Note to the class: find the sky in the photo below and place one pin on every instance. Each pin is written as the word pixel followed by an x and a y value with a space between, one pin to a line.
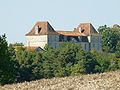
pixel 17 17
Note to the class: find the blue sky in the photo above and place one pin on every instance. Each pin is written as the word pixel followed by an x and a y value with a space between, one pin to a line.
pixel 17 17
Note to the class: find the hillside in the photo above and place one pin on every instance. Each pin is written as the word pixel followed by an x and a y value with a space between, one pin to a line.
pixel 104 81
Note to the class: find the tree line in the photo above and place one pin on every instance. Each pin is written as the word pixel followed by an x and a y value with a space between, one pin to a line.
pixel 18 64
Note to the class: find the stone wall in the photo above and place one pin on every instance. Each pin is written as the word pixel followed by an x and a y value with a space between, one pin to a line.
pixel 37 41
pixel 53 41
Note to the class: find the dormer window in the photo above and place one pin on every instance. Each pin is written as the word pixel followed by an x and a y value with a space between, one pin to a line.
pixel 37 29
pixel 81 30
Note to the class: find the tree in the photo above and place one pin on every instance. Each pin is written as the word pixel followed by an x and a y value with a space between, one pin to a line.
pixel 49 56
pixel 80 65
pixel 37 66
pixel 78 68
pixel 7 69
pixel 117 53
pixel 90 62
pixel 110 37
pixel 67 57
pixel 67 52
pixel 102 29
pixel 105 61
pixel 25 59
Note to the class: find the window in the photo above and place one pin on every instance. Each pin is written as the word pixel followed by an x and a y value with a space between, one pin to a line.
pixel 81 30
pixel 37 29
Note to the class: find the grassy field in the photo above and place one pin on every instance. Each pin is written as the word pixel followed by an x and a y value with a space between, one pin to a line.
pixel 104 81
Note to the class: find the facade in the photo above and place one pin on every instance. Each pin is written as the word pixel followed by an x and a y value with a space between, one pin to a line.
pixel 43 33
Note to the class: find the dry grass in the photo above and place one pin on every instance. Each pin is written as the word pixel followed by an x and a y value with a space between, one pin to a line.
pixel 104 81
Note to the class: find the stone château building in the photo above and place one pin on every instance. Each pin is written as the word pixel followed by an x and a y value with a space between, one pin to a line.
pixel 43 33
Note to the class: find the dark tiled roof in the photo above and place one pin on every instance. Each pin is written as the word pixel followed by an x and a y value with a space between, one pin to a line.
pixel 69 33
pixel 86 29
pixel 46 29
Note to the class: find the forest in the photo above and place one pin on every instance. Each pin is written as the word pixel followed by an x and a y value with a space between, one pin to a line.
pixel 18 64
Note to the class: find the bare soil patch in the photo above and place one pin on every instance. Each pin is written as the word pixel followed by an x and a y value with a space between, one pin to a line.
pixel 103 81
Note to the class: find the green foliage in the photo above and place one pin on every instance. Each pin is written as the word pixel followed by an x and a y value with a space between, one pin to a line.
pixel 78 69
pixel 90 63
pixel 102 29
pixel 117 53
pixel 37 66
pixel 20 64
pixel 30 65
pixel 7 70
pixel 48 57
pixel 67 53
pixel 110 37
pixel 17 44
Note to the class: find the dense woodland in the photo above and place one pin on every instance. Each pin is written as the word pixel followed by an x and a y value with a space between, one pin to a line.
pixel 18 64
